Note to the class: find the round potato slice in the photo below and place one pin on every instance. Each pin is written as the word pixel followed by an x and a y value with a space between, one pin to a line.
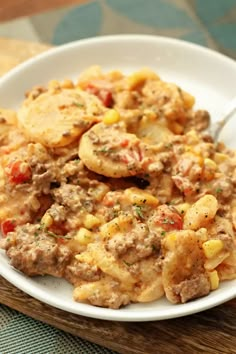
pixel 57 117
pixel 111 151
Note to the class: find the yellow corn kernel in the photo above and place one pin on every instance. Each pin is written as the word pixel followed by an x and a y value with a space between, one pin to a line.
pixel 120 224
pixel 212 247
pixel 111 117
pixel 170 241
pixel 84 257
pixel 210 168
pixel 176 128
pixel 47 220
pixel 214 279
pixel 140 77
pixel 138 196
pixel 192 137
pixel 90 221
pixel 67 84
pixel 195 156
pixel 53 84
pixel 210 164
pixel 182 208
pixel 84 236
pixel 220 158
pixel 188 99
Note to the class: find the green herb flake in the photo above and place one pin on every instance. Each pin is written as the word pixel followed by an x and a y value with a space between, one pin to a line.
pixel 127 263
pixel 77 104
pixel 167 221
pixel 219 190
pixel 154 248
pixel 163 233
pixel 139 211
pixel 105 150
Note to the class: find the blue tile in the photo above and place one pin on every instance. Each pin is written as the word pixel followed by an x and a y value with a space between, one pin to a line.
pixel 211 10
pixel 158 13
pixel 81 22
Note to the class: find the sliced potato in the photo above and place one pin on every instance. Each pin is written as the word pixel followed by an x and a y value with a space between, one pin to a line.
pixel 11 138
pixel 57 117
pixel 152 132
pixel 101 151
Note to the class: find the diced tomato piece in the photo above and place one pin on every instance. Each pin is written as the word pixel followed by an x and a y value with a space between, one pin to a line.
pixel 7 226
pixel 61 240
pixel 18 173
pixel 108 201
pixel 58 228
pixel 168 219
pixel 124 143
pixel 103 94
pixel 106 97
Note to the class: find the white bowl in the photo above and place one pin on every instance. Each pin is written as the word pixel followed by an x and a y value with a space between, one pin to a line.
pixel 209 76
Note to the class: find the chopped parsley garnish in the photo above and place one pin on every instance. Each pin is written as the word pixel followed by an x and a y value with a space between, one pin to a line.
pixel 163 233
pixel 167 221
pixel 127 263
pixel 78 104
pixel 154 248
pixel 219 190
pixel 139 211
pixel 106 150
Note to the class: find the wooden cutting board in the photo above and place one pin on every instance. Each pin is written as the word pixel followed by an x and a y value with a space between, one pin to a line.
pixel 209 332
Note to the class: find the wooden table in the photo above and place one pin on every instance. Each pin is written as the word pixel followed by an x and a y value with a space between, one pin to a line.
pixel 209 332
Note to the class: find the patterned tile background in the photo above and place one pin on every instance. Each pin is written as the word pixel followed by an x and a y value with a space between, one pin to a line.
pixel 210 23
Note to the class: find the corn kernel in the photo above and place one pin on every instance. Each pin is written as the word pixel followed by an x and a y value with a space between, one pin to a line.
pixel 210 164
pixel 140 77
pixel 214 279
pixel 90 221
pixel 170 240
pixel 47 220
pixel 84 236
pixel 220 158
pixel 188 99
pixel 192 137
pixel 176 128
pixel 212 247
pixel 119 224
pixel 182 208
pixel 84 257
pixel 210 168
pixel 111 117
pixel 67 84
pixel 53 84
pixel 138 196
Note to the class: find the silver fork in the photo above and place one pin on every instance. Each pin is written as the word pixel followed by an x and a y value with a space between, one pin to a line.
pixel 216 128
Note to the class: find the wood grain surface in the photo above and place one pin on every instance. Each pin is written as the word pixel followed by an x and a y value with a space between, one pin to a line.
pixel 209 332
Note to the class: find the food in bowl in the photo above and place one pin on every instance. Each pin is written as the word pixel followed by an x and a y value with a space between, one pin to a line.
pixel 111 183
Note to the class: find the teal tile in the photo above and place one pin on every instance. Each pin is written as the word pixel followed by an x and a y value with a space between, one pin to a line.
pixel 158 13
pixel 81 22
pixel 225 35
pixel 196 37
pixel 211 10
